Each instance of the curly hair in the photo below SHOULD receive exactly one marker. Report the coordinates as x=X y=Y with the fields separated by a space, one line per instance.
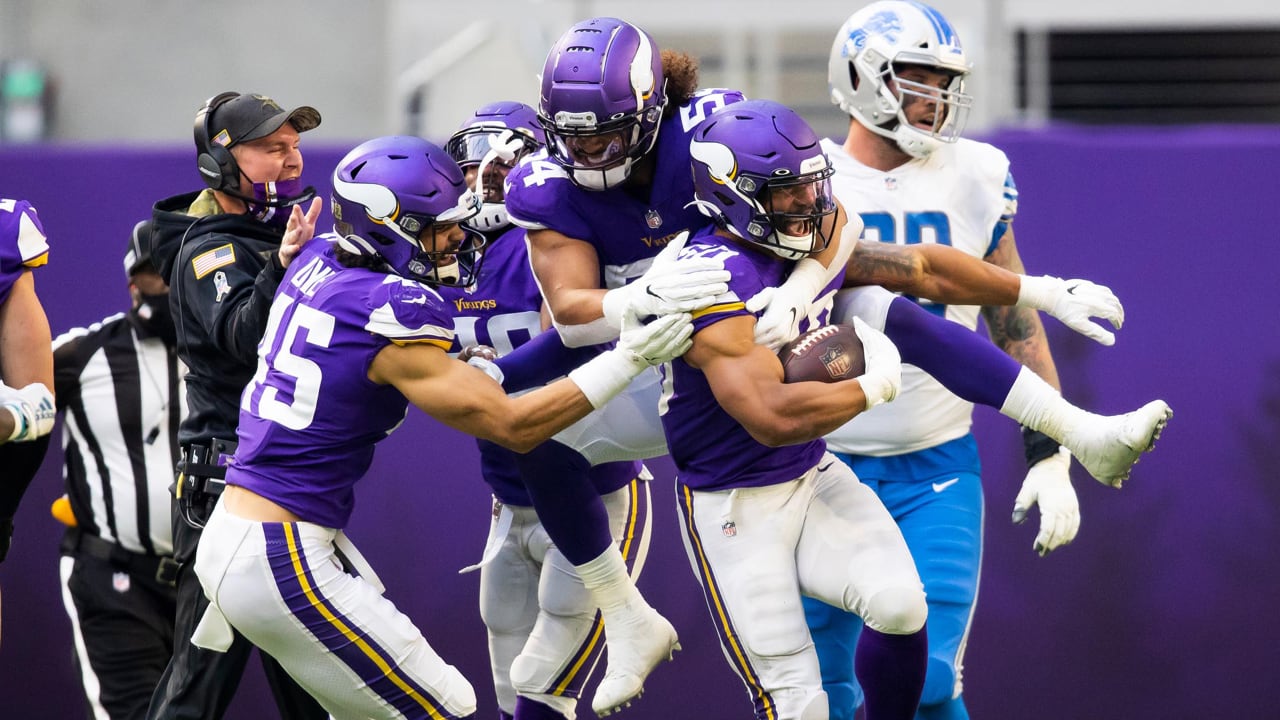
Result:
x=681 y=71
x=353 y=260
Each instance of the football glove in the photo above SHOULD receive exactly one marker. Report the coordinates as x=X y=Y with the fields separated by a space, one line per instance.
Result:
x=640 y=346
x=670 y=285
x=33 y=411
x=883 y=375
x=1048 y=483
x=785 y=306
x=1073 y=302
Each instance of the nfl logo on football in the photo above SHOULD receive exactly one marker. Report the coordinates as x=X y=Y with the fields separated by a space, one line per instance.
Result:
x=729 y=529
x=836 y=361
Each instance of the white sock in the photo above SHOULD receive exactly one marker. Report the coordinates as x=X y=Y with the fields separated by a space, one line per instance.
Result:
x=1035 y=403
x=608 y=580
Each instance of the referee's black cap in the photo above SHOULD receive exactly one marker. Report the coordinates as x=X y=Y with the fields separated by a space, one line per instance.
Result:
x=139 y=253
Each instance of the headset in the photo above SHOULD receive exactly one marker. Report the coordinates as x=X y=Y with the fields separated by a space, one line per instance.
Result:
x=216 y=163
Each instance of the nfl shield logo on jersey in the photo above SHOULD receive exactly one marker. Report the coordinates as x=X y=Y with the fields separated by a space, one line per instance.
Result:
x=730 y=528
x=120 y=581
x=653 y=219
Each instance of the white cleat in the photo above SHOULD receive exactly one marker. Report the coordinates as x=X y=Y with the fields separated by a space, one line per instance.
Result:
x=1108 y=446
x=637 y=642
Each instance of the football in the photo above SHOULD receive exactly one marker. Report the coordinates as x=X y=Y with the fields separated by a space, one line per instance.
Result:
x=827 y=354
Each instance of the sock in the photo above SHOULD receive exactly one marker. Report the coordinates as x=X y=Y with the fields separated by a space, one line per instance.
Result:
x=891 y=670
x=966 y=363
x=530 y=709
x=566 y=500
x=1036 y=404
x=607 y=578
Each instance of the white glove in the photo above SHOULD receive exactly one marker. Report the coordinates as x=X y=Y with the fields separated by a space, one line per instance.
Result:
x=883 y=375
x=785 y=306
x=32 y=409
x=670 y=285
x=657 y=341
x=1048 y=483
x=1073 y=302
x=640 y=346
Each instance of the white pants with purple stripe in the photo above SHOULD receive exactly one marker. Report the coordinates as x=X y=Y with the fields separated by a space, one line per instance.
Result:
x=283 y=586
x=532 y=601
x=756 y=550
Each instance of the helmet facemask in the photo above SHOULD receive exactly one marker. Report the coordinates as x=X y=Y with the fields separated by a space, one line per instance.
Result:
x=486 y=154
x=599 y=156
x=404 y=201
x=896 y=96
x=602 y=100
x=789 y=214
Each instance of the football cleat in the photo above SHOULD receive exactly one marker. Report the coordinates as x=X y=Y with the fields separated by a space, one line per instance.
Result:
x=1108 y=446
x=638 y=640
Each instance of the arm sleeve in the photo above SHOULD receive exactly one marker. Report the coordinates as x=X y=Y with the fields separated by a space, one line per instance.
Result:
x=541 y=360
x=965 y=362
x=20 y=462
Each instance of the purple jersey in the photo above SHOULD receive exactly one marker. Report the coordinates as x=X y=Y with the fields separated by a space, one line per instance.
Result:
x=310 y=417
x=22 y=243
x=626 y=230
x=710 y=449
x=503 y=310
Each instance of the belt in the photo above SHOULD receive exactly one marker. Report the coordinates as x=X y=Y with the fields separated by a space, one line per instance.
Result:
x=204 y=468
x=162 y=568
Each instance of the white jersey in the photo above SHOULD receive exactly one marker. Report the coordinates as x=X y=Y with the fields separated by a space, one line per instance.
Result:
x=961 y=195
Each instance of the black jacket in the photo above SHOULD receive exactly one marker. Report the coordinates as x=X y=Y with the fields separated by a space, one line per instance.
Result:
x=223 y=272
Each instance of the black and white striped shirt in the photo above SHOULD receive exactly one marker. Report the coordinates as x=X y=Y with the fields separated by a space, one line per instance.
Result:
x=122 y=393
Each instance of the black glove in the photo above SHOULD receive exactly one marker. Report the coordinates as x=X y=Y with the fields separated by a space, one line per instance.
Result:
x=6 y=535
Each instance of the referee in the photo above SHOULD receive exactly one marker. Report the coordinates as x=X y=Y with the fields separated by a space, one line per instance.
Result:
x=119 y=383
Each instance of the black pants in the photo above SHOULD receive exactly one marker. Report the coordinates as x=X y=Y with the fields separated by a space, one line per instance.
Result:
x=126 y=622
x=200 y=683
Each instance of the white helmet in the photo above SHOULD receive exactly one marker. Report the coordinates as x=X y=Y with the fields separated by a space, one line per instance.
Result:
x=861 y=74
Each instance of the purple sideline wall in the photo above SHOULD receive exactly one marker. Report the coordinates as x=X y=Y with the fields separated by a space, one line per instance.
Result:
x=1164 y=605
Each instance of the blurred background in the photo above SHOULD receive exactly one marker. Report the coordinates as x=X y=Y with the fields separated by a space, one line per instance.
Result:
x=1145 y=139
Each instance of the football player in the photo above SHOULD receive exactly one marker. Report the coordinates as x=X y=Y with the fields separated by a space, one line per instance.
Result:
x=26 y=359
x=356 y=332
x=613 y=189
x=898 y=69
x=544 y=630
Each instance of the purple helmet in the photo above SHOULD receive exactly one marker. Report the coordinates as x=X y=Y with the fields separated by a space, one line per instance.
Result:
x=602 y=99
x=493 y=140
x=391 y=194
x=759 y=172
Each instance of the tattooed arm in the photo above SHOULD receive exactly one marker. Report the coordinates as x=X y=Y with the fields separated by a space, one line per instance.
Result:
x=935 y=272
x=1018 y=330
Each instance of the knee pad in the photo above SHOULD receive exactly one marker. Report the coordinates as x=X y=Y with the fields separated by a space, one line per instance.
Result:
x=897 y=610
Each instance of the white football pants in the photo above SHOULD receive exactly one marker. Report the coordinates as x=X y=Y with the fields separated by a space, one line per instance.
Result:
x=757 y=550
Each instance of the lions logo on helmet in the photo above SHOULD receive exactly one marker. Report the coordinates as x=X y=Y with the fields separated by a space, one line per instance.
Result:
x=869 y=51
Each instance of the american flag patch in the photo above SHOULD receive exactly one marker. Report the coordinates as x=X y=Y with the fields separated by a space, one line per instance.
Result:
x=207 y=262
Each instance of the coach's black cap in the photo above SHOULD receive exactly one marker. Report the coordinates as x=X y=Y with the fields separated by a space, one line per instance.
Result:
x=248 y=117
